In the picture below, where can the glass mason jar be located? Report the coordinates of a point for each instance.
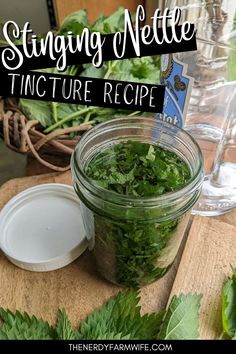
(135, 239)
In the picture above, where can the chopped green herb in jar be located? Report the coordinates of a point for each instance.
(138, 250)
(138, 169)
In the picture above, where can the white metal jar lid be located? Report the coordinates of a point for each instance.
(41, 228)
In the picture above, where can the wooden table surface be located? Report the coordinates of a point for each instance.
(202, 266)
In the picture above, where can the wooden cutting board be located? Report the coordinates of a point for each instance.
(205, 265)
(78, 287)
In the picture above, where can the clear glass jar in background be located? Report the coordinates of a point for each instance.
(136, 239)
(211, 117)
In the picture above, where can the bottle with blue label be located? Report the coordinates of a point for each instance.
(177, 93)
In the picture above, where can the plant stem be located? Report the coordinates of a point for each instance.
(222, 335)
(134, 113)
(54, 111)
(90, 122)
(68, 118)
(73, 70)
(87, 117)
(109, 71)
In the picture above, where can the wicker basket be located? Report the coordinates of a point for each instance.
(27, 137)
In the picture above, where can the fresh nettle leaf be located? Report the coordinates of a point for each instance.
(39, 110)
(75, 23)
(120, 318)
(136, 70)
(22, 326)
(64, 328)
(182, 318)
(110, 24)
(229, 306)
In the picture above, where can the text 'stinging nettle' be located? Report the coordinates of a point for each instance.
(58, 47)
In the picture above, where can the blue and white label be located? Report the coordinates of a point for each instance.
(177, 93)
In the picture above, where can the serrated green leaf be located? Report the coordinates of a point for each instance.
(229, 306)
(64, 328)
(120, 318)
(39, 110)
(74, 22)
(110, 24)
(181, 320)
(143, 70)
(21, 326)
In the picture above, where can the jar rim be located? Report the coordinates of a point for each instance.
(193, 184)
